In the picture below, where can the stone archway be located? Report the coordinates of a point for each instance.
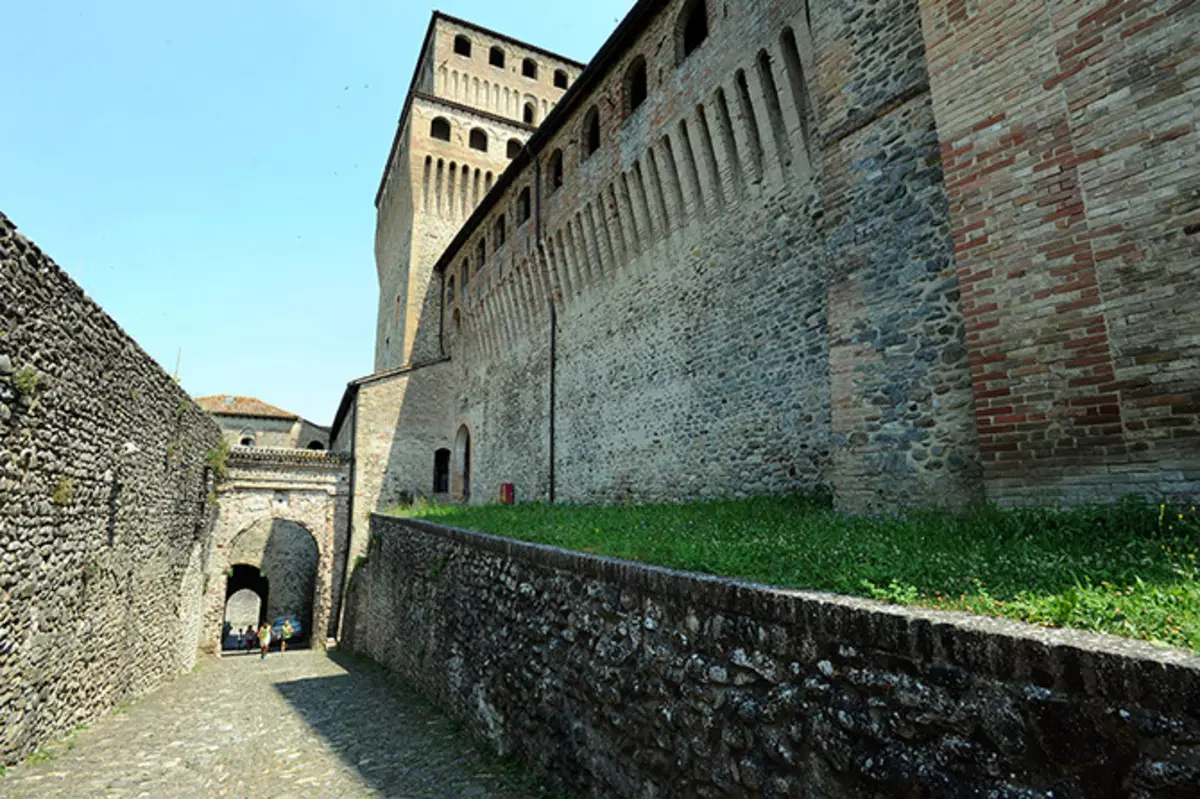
(288, 559)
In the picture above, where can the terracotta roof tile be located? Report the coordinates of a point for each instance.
(228, 405)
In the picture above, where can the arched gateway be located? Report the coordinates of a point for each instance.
(280, 546)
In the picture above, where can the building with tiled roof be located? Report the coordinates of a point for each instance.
(250, 422)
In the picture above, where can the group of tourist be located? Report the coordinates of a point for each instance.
(261, 638)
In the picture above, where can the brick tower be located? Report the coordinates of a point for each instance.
(475, 98)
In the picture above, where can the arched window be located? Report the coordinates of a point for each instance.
(462, 46)
(560, 78)
(247, 438)
(529, 114)
(529, 68)
(524, 205)
(466, 276)
(692, 28)
(482, 251)
(496, 57)
(636, 85)
(450, 292)
(591, 132)
(316, 446)
(514, 147)
(440, 129)
(462, 464)
(500, 232)
(556, 170)
(441, 471)
(478, 140)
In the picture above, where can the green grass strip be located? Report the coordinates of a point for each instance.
(1130, 569)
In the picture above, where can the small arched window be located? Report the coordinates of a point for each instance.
(247, 438)
(450, 292)
(524, 205)
(560, 79)
(496, 57)
(500, 232)
(692, 28)
(529, 114)
(481, 252)
(462, 46)
(556, 170)
(316, 446)
(440, 129)
(479, 140)
(529, 68)
(591, 132)
(466, 276)
(636, 85)
(514, 148)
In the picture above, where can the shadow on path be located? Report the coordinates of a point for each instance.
(399, 743)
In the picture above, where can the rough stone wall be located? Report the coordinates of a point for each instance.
(1069, 137)
(104, 512)
(263, 489)
(396, 424)
(623, 680)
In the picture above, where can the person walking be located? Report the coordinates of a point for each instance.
(264, 639)
(249, 637)
(287, 631)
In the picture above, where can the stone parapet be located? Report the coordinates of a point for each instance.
(622, 679)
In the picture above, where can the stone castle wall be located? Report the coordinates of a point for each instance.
(105, 519)
(623, 680)
(826, 251)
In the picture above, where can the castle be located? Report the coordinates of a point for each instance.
(927, 252)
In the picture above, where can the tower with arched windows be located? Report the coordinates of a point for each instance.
(476, 97)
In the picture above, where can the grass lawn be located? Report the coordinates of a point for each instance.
(1130, 569)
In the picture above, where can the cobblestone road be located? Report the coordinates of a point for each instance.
(302, 725)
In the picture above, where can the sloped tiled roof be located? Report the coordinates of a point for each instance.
(228, 405)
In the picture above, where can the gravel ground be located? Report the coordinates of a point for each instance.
(307, 724)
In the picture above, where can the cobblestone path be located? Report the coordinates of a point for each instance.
(305, 725)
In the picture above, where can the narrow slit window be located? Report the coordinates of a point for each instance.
(556, 170)
(693, 27)
(500, 232)
(481, 251)
(591, 132)
(524, 205)
(636, 86)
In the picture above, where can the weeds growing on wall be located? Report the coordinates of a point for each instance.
(217, 459)
(1129, 569)
(26, 381)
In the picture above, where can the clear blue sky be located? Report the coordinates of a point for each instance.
(206, 171)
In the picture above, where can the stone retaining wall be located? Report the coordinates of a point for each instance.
(105, 519)
(628, 680)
